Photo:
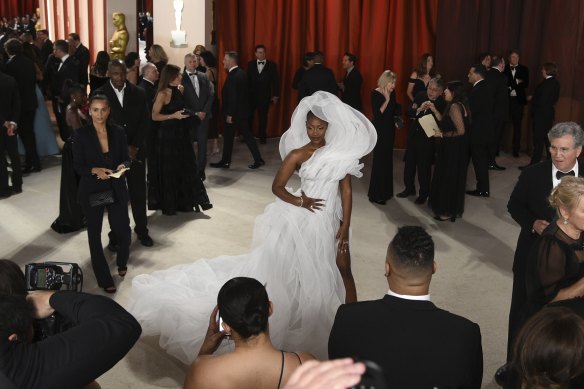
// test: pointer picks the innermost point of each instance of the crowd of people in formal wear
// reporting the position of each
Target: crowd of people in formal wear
(141, 137)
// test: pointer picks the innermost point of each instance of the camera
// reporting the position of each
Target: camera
(52, 276)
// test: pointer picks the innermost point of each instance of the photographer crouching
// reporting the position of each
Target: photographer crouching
(102, 334)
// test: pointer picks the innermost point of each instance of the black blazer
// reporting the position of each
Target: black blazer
(352, 93)
(46, 50)
(545, 97)
(234, 95)
(87, 155)
(265, 85)
(417, 344)
(23, 70)
(522, 73)
(149, 90)
(204, 101)
(481, 104)
(528, 203)
(55, 76)
(133, 116)
(498, 83)
(318, 77)
(9, 101)
(81, 56)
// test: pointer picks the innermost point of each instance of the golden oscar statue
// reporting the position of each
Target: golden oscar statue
(119, 39)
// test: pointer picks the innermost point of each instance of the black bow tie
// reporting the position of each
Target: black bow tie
(192, 74)
(513, 67)
(560, 174)
(261, 62)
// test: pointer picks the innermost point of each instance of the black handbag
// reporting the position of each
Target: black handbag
(102, 198)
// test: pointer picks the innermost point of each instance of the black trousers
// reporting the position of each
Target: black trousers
(479, 154)
(59, 110)
(262, 107)
(136, 179)
(9, 145)
(419, 156)
(496, 141)
(117, 214)
(518, 300)
(541, 126)
(229, 134)
(26, 133)
(516, 111)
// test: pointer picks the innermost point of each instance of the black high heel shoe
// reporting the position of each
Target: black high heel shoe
(442, 219)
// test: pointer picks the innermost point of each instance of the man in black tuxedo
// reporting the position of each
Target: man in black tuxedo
(317, 77)
(417, 344)
(81, 56)
(498, 82)
(60, 67)
(47, 46)
(420, 148)
(481, 129)
(529, 207)
(9, 114)
(517, 81)
(234, 97)
(23, 70)
(351, 85)
(148, 82)
(542, 108)
(264, 88)
(128, 109)
(199, 94)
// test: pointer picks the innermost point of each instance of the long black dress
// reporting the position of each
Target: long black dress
(381, 184)
(447, 191)
(173, 182)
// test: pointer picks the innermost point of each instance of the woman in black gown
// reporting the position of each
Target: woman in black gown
(447, 190)
(384, 107)
(421, 76)
(173, 184)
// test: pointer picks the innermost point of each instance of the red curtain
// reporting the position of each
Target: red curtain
(383, 34)
(542, 31)
(13, 8)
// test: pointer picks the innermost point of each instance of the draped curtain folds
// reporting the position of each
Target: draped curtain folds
(13, 8)
(383, 34)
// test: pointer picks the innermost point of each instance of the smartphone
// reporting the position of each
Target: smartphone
(220, 322)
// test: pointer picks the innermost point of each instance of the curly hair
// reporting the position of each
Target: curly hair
(412, 248)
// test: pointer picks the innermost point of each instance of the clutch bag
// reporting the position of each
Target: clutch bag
(102, 198)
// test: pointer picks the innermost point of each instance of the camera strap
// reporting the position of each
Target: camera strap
(5, 383)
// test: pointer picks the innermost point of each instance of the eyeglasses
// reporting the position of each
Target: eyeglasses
(560, 150)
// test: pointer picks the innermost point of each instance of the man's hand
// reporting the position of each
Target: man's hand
(540, 225)
(39, 302)
(132, 152)
(229, 119)
(201, 115)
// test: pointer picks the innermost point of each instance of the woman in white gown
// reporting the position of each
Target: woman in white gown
(296, 243)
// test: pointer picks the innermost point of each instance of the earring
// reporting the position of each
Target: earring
(386, 274)
(565, 220)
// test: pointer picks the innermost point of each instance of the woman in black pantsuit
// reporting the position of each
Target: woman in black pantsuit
(98, 150)
(384, 106)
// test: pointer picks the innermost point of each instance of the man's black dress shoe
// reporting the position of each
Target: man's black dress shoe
(145, 240)
(496, 167)
(405, 193)
(257, 164)
(31, 169)
(220, 164)
(16, 189)
(420, 200)
(477, 193)
(380, 202)
(5, 195)
(501, 375)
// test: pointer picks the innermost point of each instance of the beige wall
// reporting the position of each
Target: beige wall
(193, 22)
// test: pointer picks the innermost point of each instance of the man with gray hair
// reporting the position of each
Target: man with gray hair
(529, 207)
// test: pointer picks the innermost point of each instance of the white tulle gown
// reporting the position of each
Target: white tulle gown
(293, 251)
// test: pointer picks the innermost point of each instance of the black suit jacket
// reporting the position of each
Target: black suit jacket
(87, 155)
(103, 334)
(522, 73)
(24, 72)
(235, 95)
(318, 77)
(149, 91)
(265, 85)
(481, 104)
(46, 50)
(545, 97)
(133, 116)
(498, 82)
(81, 56)
(528, 203)
(9, 101)
(352, 93)
(417, 344)
(55, 75)
(204, 101)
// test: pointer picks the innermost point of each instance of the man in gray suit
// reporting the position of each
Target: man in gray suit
(198, 95)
